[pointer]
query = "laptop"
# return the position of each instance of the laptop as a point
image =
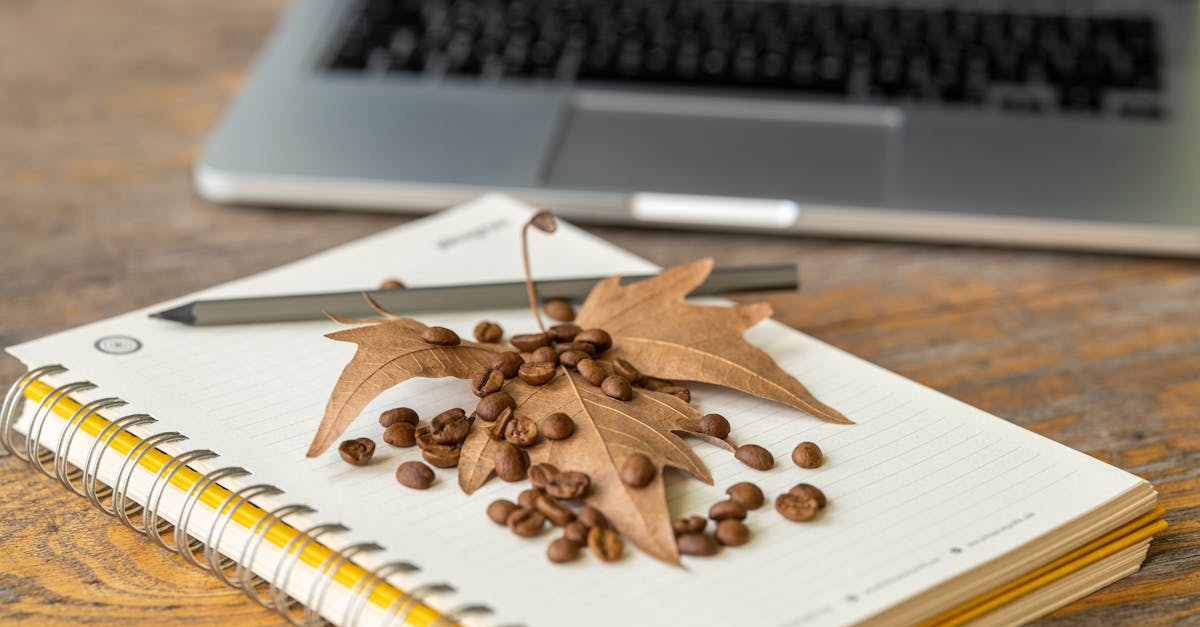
(1070, 123)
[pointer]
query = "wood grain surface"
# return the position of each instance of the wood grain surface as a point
(104, 107)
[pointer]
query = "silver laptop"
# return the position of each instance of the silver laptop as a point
(1068, 123)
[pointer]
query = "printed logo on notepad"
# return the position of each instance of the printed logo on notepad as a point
(118, 344)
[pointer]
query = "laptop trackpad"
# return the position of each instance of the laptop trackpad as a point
(765, 149)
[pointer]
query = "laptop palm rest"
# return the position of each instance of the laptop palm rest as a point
(728, 147)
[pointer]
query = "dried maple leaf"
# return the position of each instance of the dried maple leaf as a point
(607, 431)
(389, 353)
(664, 336)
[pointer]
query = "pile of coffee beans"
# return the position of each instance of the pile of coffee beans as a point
(729, 526)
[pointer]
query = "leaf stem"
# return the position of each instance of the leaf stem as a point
(543, 221)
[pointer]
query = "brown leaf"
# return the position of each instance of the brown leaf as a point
(389, 353)
(660, 333)
(607, 431)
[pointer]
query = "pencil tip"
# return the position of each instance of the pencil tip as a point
(184, 314)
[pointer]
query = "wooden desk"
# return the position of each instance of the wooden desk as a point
(103, 111)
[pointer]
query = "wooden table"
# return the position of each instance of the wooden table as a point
(102, 113)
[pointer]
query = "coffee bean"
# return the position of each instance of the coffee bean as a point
(678, 391)
(807, 455)
(808, 491)
(583, 347)
(499, 510)
(755, 456)
(691, 524)
(545, 354)
(521, 431)
(528, 498)
(541, 474)
(553, 510)
(596, 337)
(697, 544)
(510, 463)
(723, 510)
(562, 550)
(441, 455)
(564, 332)
(526, 522)
(559, 309)
(795, 508)
(391, 283)
(746, 494)
(450, 427)
(732, 532)
(638, 471)
(399, 414)
(400, 434)
(714, 425)
(529, 342)
(591, 371)
(605, 543)
(440, 336)
(571, 359)
(558, 426)
(496, 432)
(626, 369)
(508, 362)
(490, 406)
(357, 451)
(617, 387)
(570, 485)
(414, 475)
(488, 331)
(592, 517)
(486, 382)
(537, 374)
(576, 532)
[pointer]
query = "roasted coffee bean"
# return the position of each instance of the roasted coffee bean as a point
(559, 309)
(450, 427)
(541, 474)
(546, 355)
(490, 406)
(529, 342)
(440, 336)
(808, 491)
(746, 494)
(537, 374)
(571, 359)
(553, 510)
(591, 371)
(755, 456)
(596, 337)
(638, 471)
(357, 451)
(732, 532)
(592, 517)
(570, 485)
(508, 362)
(510, 463)
(562, 550)
(564, 332)
(617, 387)
(678, 391)
(496, 432)
(796, 508)
(583, 347)
(391, 283)
(442, 455)
(691, 524)
(557, 426)
(626, 369)
(576, 532)
(486, 382)
(521, 431)
(488, 331)
(605, 543)
(399, 414)
(697, 544)
(526, 522)
(723, 510)
(807, 455)
(414, 475)
(421, 435)
(400, 434)
(527, 498)
(715, 425)
(499, 510)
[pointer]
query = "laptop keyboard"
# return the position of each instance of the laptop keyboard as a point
(1010, 61)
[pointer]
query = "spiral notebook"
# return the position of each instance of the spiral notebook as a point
(938, 512)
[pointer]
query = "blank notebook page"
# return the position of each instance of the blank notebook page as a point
(921, 489)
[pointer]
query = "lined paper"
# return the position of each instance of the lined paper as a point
(921, 489)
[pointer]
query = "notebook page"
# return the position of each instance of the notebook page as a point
(921, 489)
